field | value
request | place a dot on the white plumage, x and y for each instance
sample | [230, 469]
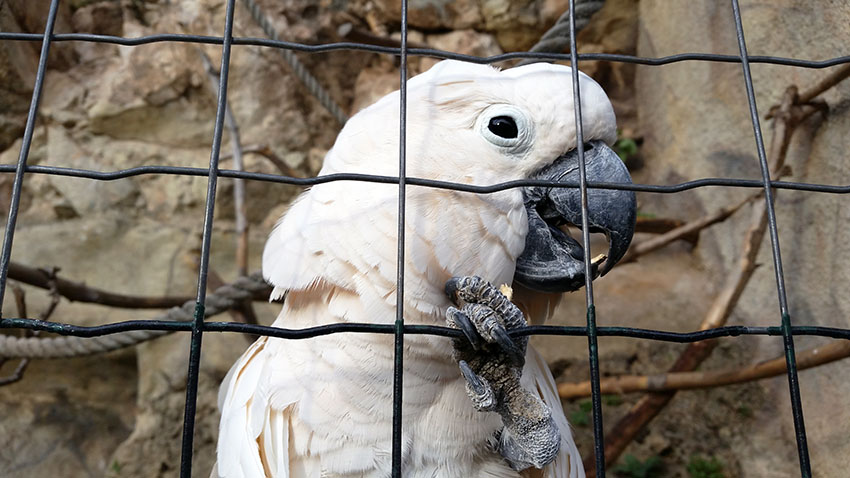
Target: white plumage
[322, 407]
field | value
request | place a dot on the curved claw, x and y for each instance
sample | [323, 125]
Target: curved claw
[464, 324]
[472, 379]
[500, 335]
[480, 392]
[451, 289]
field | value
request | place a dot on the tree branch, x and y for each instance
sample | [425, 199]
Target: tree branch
[267, 153]
[79, 292]
[787, 117]
[809, 94]
[661, 225]
[674, 381]
[21, 303]
[240, 211]
[683, 231]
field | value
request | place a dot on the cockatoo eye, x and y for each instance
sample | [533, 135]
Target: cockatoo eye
[506, 126]
[503, 126]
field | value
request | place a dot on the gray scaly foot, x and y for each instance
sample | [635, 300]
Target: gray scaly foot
[491, 362]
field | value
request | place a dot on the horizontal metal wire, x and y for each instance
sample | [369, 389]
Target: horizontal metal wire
[430, 52]
[785, 330]
[389, 329]
[448, 185]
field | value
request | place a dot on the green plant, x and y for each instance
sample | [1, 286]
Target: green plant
[612, 400]
[581, 417]
[699, 467]
[634, 468]
[625, 148]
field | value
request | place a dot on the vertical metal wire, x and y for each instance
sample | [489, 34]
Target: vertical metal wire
[15, 202]
[593, 349]
[398, 354]
[787, 336]
[592, 333]
[198, 323]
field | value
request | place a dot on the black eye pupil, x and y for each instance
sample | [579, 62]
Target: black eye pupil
[503, 126]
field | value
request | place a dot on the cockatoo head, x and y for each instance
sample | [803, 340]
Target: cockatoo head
[475, 124]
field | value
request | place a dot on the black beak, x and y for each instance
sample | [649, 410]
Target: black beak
[552, 260]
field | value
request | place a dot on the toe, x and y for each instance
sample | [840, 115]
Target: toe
[501, 337]
[479, 391]
[458, 319]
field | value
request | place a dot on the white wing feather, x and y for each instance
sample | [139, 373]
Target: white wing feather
[238, 450]
[322, 407]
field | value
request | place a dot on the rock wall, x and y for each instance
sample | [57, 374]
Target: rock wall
[106, 107]
[696, 124]
[693, 121]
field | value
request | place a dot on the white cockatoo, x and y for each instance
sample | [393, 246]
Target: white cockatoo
[322, 407]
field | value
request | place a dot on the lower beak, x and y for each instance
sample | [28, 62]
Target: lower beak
[552, 260]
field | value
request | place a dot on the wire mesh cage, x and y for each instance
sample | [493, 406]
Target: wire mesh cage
[198, 326]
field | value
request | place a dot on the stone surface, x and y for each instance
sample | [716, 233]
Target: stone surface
[97, 197]
[31, 17]
[695, 123]
[614, 29]
[101, 18]
[435, 14]
[107, 108]
[468, 42]
[381, 75]
[17, 74]
[68, 420]
[515, 23]
[112, 108]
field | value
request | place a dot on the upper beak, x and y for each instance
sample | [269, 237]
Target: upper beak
[552, 260]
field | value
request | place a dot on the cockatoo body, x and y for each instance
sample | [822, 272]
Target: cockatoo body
[322, 407]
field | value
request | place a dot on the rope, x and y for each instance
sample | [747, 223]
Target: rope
[222, 299]
[557, 38]
[309, 81]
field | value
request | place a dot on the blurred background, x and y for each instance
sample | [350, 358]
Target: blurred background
[106, 107]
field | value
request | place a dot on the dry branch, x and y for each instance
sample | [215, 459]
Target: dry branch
[224, 298]
[18, 373]
[787, 116]
[245, 312]
[240, 211]
[21, 303]
[266, 152]
[809, 94]
[20, 299]
[79, 292]
[349, 32]
[826, 83]
[683, 231]
[660, 225]
[664, 382]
